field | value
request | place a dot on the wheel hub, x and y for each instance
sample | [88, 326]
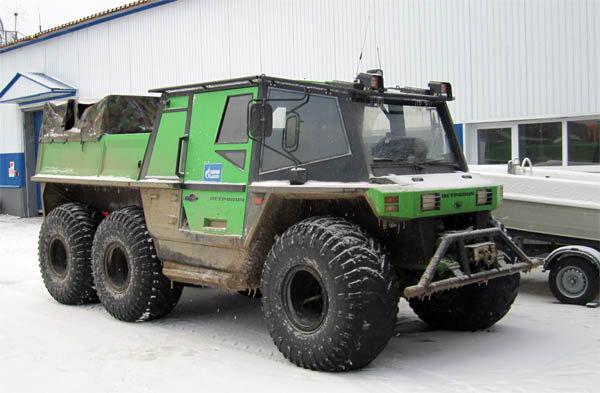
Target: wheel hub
[57, 257]
[116, 268]
[572, 282]
[305, 299]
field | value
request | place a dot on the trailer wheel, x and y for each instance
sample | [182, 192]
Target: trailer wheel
[64, 253]
[574, 280]
[127, 273]
[469, 308]
[330, 295]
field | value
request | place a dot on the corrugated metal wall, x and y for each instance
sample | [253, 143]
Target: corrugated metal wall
[506, 58]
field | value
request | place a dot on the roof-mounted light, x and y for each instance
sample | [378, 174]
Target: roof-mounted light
[371, 80]
[443, 89]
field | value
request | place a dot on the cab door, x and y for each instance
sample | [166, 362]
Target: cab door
[217, 163]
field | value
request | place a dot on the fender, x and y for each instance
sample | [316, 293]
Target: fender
[588, 253]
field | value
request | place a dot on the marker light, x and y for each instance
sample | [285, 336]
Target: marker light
[430, 202]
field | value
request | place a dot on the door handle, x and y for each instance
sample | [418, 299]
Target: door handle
[178, 170]
[191, 198]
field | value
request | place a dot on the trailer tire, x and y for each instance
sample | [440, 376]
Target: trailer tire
[330, 295]
[574, 280]
[127, 272]
[469, 308]
[64, 246]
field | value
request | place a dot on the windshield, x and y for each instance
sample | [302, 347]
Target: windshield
[400, 134]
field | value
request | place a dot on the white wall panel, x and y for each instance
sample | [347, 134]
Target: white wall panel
[11, 136]
[506, 59]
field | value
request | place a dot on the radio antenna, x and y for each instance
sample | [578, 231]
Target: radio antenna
[379, 58]
[362, 48]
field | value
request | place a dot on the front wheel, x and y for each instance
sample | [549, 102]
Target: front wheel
[469, 308]
[574, 281]
[330, 296]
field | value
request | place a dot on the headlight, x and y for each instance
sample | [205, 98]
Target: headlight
[430, 202]
[484, 197]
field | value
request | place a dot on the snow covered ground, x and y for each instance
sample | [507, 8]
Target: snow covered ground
[218, 341]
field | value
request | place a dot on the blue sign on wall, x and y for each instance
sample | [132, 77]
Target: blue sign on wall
[213, 172]
[12, 170]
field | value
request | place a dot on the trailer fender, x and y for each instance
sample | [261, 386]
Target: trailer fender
[588, 253]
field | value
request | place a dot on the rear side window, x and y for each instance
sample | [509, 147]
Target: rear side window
[321, 133]
[234, 121]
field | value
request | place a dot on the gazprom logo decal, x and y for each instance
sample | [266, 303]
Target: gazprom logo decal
[213, 172]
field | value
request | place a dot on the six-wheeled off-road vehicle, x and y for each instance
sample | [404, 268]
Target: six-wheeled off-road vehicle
[332, 198]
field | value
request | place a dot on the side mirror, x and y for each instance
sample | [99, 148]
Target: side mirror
[260, 123]
[291, 132]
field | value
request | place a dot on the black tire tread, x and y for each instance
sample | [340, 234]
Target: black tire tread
[372, 292]
[77, 223]
[154, 295]
[469, 308]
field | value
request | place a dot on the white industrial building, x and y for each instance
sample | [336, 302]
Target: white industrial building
[525, 72]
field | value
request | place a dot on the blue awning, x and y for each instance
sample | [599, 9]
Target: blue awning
[27, 88]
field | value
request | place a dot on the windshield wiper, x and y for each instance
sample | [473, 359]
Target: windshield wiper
[441, 161]
[387, 162]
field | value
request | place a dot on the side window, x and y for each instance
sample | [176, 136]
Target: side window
[234, 121]
[321, 133]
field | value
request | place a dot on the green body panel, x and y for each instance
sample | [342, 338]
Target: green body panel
[178, 102]
[117, 155]
[453, 201]
[164, 153]
[225, 206]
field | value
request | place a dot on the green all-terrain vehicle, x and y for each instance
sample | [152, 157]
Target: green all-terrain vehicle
[332, 198]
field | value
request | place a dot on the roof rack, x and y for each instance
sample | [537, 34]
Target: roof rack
[325, 87]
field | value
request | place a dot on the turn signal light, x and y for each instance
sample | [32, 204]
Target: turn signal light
[390, 203]
[484, 197]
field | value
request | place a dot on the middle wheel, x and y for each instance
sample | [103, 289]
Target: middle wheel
[330, 296]
[127, 273]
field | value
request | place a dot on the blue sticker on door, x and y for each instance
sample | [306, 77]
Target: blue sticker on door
[213, 172]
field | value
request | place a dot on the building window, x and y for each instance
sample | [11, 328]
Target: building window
[234, 122]
[321, 133]
[493, 146]
[541, 143]
[584, 142]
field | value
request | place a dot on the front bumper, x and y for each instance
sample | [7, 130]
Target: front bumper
[426, 286]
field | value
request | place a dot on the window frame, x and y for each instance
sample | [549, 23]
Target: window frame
[471, 130]
[224, 113]
[344, 131]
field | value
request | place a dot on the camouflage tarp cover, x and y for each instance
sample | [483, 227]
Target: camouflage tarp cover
[111, 115]
[53, 123]
[118, 115]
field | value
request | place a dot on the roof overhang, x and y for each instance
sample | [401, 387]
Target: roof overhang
[27, 88]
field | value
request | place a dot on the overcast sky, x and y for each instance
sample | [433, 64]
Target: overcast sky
[52, 12]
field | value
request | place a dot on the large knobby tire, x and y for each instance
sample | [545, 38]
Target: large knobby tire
[64, 248]
[469, 308]
[330, 295]
[127, 272]
[574, 280]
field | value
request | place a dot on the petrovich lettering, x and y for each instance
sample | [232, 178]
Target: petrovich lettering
[458, 194]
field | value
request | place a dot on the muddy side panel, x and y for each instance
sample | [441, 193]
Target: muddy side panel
[191, 257]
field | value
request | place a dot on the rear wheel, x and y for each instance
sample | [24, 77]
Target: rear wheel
[330, 295]
[64, 253]
[127, 273]
[574, 280]
[472, 307]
